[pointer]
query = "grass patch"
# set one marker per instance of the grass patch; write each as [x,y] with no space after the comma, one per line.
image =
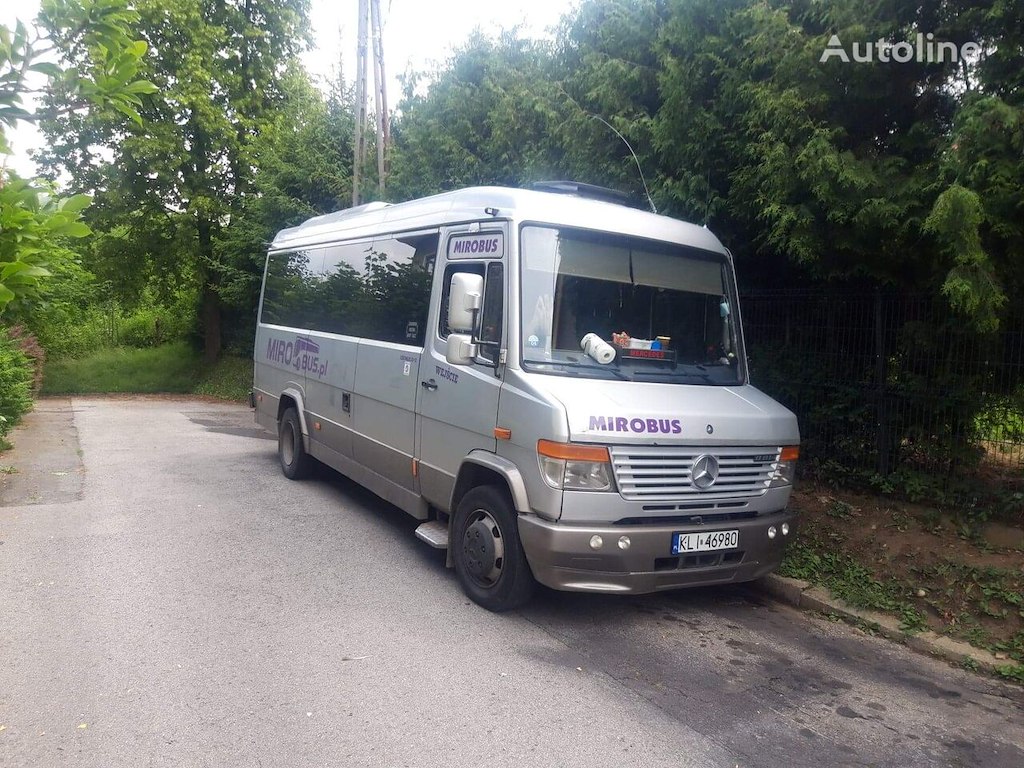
[229,379]
[930,567]
[172,368]
[974,600]
[813,561]
[1013,672]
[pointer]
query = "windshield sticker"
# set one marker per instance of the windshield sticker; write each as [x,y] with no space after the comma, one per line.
[302,355]
[636,425]
[488,244]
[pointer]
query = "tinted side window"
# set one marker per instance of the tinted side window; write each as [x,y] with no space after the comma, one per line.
[341,287]
[494,301]
[376,290]
[289,295]
[396,294]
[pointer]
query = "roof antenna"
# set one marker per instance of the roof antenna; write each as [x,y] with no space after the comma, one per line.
[635,160]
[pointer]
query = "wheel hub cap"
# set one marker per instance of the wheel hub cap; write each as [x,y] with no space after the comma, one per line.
[484,549]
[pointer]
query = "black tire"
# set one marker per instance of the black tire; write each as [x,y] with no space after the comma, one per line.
[295,462]
[489,558]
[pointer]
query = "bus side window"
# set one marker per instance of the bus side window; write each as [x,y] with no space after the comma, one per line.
[290,289]
[398,278]
[492,311]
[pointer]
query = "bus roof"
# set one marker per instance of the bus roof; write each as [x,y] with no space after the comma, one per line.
[479,203]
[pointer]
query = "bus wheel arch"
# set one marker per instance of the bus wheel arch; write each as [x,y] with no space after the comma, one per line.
[483,468]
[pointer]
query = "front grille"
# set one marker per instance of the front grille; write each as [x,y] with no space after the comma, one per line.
[662,473]
[709,519]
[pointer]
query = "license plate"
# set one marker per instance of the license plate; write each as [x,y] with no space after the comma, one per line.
[705,541]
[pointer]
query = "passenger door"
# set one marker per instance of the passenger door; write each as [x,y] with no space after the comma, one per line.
[457,406]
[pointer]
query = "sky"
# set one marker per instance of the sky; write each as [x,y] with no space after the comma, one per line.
[417,34]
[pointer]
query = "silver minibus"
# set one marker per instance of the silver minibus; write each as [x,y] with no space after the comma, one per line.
[554,384]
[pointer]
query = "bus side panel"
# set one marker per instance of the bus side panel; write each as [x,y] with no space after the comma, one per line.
[275,370]
[332,376]
[387,378]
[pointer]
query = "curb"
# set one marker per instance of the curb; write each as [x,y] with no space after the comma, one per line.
[804,595]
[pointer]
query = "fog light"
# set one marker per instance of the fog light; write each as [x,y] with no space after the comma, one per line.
[785,529]
[596,542]
[624,542]
[771,532]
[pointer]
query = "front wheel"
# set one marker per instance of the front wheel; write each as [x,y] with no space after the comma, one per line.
[295,462]
[489,558]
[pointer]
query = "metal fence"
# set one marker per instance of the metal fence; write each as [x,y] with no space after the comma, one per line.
[893,386]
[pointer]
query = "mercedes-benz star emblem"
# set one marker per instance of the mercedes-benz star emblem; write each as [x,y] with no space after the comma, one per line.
[704,472]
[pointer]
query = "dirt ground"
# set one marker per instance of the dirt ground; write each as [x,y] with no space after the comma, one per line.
[932,567]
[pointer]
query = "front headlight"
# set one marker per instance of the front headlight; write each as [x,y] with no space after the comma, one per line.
[785,470]
[575,467]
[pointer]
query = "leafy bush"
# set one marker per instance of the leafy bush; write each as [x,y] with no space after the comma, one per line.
[77,315]
[15,385]
[140,329]
[230,378]
[69,317]
[33,351]
[154,325]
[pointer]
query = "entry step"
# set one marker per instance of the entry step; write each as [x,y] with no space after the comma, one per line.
[434,533]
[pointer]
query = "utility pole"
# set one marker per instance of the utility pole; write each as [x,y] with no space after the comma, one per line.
[359,142]
[370,15]
[380,93]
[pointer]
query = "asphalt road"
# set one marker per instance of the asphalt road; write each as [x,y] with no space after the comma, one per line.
[169,598]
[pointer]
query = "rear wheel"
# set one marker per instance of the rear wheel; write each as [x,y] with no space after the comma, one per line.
[295,462]
[489,558]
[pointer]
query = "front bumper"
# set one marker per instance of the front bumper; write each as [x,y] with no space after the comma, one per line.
[561,556]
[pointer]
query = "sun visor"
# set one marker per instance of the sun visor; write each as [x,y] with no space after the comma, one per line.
[677,273]
[581,258]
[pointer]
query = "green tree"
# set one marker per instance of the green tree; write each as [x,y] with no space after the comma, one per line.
[847,170]
[96,69]
[494,115]
[302,160]
[220,68]
[982,163]
[609,65]
[825,164]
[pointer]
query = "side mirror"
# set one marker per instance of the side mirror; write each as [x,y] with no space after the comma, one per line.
[460,350]
[464,299]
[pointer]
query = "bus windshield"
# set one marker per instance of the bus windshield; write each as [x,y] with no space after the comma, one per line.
[601,305]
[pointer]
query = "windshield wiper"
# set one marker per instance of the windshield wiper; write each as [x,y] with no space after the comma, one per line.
[685,370]
[669,374]
[575,365]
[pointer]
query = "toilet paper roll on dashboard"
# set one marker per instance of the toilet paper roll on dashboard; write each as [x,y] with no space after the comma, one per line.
[598,348]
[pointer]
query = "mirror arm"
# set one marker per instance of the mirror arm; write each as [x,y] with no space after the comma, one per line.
[495,345]
[494,362]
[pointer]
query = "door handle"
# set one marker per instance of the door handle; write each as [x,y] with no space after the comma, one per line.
[430,385]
